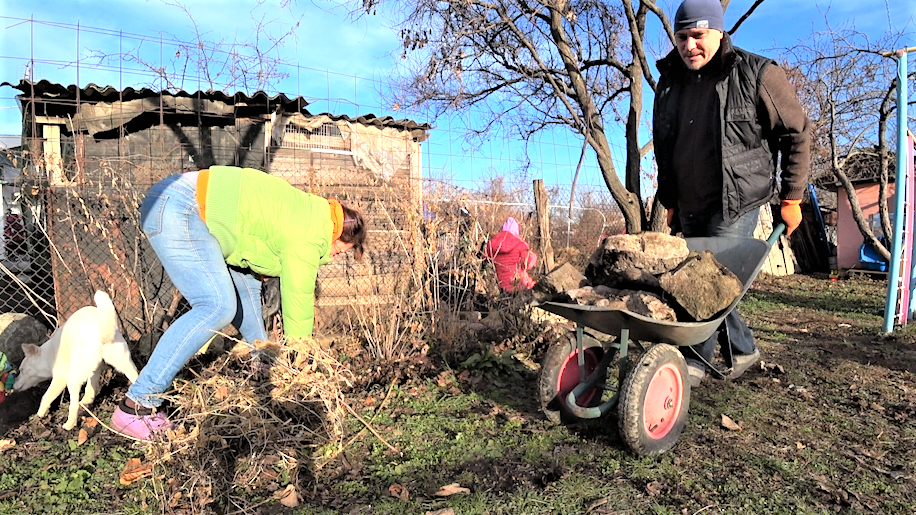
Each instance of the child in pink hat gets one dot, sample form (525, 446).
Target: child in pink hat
(511, 257)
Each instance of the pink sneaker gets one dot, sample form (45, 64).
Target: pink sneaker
(141, 427)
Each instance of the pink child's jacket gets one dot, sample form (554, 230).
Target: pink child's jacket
(512, 259)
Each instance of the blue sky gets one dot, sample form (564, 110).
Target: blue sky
(342, 63)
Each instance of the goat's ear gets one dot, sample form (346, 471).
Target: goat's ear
(30, 349)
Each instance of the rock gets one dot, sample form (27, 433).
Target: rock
(493, 321)
(640, 302)
(560, 279)
(702, 286)
(585, 295)
(16, 329)
(650, 305)
(650, 252)
(632, 279)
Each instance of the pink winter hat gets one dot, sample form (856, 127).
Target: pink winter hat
(511, 225)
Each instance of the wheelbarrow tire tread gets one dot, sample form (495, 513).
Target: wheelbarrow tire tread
(633, 393)
(551, 366)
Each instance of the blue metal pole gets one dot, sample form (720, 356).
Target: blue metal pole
(890, 307)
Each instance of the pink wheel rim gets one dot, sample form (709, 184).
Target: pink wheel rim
(663, 401)
(568, 378)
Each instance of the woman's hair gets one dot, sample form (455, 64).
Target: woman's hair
(354, 231)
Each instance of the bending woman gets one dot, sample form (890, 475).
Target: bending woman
(215, 231)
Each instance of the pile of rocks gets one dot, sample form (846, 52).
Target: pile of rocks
(652, 274)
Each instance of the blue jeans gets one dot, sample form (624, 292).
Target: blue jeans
(736, 333)
(192, 258)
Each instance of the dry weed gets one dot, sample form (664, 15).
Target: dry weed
(248, 428)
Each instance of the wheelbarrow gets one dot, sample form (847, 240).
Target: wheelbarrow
(652, 395)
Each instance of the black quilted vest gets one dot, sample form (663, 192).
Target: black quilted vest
(748, 162)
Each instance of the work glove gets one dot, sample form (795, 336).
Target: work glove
(791, 214)
(670, 218)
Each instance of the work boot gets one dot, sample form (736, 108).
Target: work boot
(696, 372)
(741, 363)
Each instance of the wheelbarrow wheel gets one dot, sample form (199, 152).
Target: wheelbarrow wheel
(560, 374)
(654, 400)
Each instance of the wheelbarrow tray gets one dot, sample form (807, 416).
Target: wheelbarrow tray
(743, 256)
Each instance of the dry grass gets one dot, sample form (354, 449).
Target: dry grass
(248, 427)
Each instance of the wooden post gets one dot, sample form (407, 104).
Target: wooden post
(51, 153)
(541, 204)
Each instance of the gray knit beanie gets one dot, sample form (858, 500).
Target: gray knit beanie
(699, 14)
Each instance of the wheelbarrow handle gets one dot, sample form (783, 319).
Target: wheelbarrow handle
(777, 232)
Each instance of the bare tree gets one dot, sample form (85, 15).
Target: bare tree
(850, 89)
(245, 61)
(537, 65)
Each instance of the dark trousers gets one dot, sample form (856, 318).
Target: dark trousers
(736, 333)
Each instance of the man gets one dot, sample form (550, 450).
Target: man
(730, 135)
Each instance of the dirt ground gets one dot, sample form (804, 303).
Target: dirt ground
(832, 396)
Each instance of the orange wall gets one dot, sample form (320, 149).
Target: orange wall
(848, 236)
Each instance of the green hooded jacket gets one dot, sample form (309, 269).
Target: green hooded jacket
(265, 224)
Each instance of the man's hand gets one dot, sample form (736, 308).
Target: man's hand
(791, 214)
(670, 218)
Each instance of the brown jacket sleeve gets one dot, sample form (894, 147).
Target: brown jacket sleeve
(786, 124)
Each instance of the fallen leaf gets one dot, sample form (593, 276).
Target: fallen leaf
(134, 470)
(451, 489)
(399, 491)
(288, 496)
(728, 423)
(799, 445)
(82, 437)
(202, 495)
(7, 444)
(599, 502)
(875, 455)
(443, 511)
(654, 488)
(222, 393)
(90, 422)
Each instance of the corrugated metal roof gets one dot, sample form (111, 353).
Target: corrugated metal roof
(93, 93)
(384, 121)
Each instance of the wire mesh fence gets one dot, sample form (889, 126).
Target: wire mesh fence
(70, 232)
(71, 204)
(86, 156)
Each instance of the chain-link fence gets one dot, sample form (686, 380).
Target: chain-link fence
(26, 281)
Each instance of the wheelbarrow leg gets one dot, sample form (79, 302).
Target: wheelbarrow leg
(621, 346)
(624, 360)
(581, 354)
